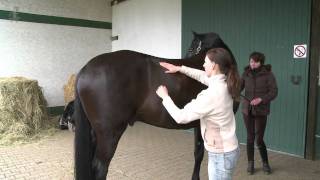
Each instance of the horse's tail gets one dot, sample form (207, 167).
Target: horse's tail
(84, 143)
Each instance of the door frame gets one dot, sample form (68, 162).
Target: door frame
(313, 80)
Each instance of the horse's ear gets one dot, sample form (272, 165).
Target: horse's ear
(194, 34)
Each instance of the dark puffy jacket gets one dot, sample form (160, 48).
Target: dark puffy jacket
(259, 83)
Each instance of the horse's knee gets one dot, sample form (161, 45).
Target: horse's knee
(199, 150)
(100, 169)
(107, 145)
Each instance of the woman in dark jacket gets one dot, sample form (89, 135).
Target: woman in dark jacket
(260, 89)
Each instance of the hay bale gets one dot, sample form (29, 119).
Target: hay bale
(69, 89)
(23, 110)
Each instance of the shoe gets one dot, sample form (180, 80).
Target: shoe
(250, 169)
(266, 168)
(264, 156)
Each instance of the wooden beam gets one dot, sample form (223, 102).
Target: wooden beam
(313, 80)
(38, 18)
(115, 2)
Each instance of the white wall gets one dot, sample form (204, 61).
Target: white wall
(50, 53)
(148, 26)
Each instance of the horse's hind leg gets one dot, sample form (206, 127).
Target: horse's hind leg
(107, 141)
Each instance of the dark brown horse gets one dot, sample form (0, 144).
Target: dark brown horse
(116, 89)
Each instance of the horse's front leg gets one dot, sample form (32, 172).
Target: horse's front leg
(198, 153)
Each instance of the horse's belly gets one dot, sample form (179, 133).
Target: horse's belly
(161, 118)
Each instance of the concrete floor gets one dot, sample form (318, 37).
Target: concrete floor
(144, 153)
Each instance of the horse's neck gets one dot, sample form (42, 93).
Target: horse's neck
(194, 61)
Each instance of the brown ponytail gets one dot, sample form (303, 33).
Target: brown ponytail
(233, 82)
(228, 66)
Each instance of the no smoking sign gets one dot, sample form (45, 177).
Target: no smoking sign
(300, 51)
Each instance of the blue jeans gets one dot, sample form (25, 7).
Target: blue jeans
(222, 165)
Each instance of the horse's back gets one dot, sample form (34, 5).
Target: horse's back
(115, 60)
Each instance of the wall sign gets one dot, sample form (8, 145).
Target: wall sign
(300, 51)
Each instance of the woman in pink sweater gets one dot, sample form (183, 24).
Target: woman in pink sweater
(214, 107)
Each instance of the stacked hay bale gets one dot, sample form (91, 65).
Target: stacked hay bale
(69, 89)
(23, 112)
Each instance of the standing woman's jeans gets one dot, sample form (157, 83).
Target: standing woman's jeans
(222, 165)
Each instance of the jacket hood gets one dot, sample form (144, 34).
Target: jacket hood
(264, 68)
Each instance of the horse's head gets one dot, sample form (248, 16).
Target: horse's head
(204, 42)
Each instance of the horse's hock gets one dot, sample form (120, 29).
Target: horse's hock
(22, 109)
(69, 89)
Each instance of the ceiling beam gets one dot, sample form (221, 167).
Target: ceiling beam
(115, 2)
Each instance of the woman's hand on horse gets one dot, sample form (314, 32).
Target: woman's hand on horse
(162, 91)
(170, 67)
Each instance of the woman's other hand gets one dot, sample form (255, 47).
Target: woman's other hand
(162, 91)
(170, 67)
